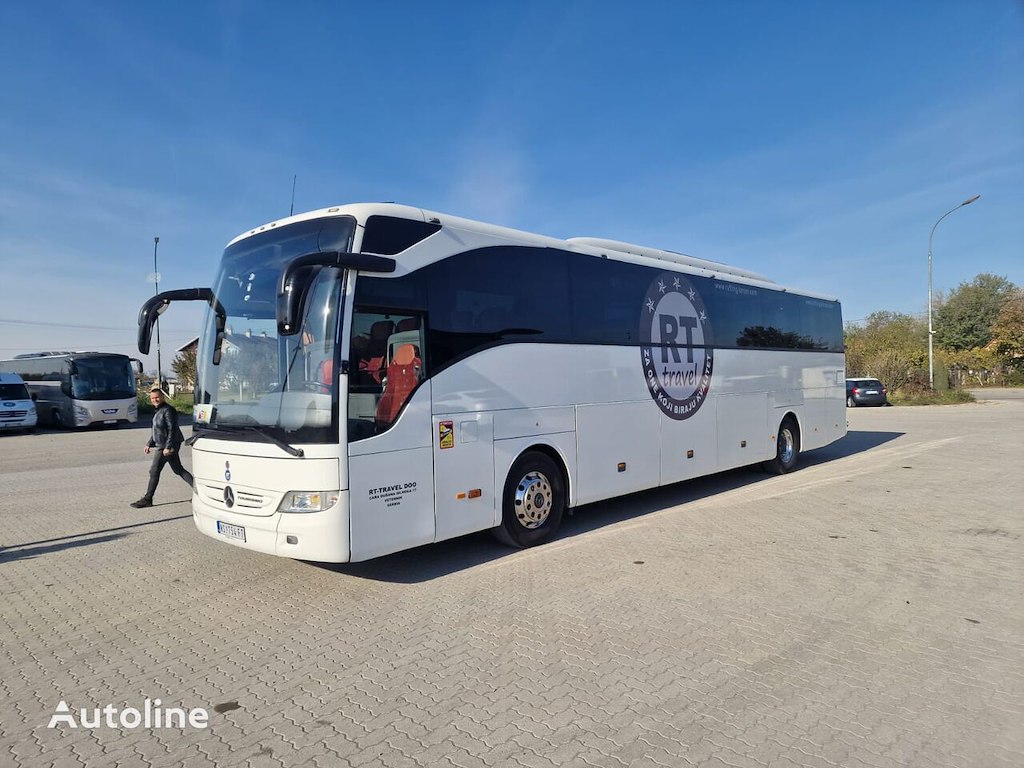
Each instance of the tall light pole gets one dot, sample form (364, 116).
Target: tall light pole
(156, 290)
(931, 332)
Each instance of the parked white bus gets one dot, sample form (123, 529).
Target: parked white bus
(375, 377)
(79, 389)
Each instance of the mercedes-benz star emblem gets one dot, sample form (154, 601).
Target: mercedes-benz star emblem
(229, 497)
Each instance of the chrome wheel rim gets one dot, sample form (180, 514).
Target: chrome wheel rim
(533, 500)
(787, 446)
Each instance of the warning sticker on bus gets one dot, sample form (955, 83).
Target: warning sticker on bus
(446, 434)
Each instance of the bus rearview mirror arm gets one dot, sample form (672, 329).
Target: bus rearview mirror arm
(157, 305)
(291, 289)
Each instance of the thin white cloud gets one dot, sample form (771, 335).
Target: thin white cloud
(490, 182)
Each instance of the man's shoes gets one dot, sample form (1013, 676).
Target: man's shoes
(143, 502)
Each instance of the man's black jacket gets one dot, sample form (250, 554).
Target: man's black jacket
(166, 433)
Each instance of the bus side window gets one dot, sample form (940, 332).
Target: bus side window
(386, 365)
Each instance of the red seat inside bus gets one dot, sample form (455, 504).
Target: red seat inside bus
(403, 374)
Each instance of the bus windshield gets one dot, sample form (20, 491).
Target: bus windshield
(285, 387)
(102, 378)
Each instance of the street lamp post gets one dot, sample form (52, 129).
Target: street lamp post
(156, 290)
(931, 332)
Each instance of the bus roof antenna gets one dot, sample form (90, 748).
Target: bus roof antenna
(291, 211)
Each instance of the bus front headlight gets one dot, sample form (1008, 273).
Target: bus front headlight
(308, 501)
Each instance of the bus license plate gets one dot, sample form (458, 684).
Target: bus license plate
(231, 531)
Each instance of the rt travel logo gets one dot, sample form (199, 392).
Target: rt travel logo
(676, 352)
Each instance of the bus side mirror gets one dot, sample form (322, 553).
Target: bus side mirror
(291, 299)
(157, 305)
(73, 368)
(220, 318)
(297, 275)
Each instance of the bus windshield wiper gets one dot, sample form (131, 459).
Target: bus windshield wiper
(290, 449)
(248, 430)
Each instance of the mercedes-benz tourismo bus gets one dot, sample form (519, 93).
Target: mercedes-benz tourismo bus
(375, 377)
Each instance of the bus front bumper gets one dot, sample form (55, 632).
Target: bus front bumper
(87, 413)
(317, 536)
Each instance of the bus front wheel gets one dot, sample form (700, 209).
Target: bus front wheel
(787, 448)
(533, 501)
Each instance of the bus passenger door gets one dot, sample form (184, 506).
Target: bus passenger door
(464, 498)
(390, 490)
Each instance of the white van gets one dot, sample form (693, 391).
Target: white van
(17, 410)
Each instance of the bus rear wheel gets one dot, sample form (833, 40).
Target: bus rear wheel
(787, 448)
(533, 501)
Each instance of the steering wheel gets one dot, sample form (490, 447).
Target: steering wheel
(317, 386)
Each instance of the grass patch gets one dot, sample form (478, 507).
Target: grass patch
(927, 397)
(181, 403)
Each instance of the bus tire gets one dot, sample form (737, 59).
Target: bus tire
(533, 501)
(787, 448)
(58, 420)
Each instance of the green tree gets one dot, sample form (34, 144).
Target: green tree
(1008, 331)
(184, 366)
(974, 366)
(889, 345)
(964, 319)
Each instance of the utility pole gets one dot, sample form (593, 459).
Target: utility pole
(156, 283)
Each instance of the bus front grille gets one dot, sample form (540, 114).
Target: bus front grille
(246, 501)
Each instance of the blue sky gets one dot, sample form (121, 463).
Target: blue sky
(815, 142)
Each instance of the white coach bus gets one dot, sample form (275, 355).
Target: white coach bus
(375, 377)
(79, 389)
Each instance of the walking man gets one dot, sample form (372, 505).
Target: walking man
(167, 440)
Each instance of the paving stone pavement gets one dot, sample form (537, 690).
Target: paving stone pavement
(865, 611)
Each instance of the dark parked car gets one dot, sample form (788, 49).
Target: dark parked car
(865, 392)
